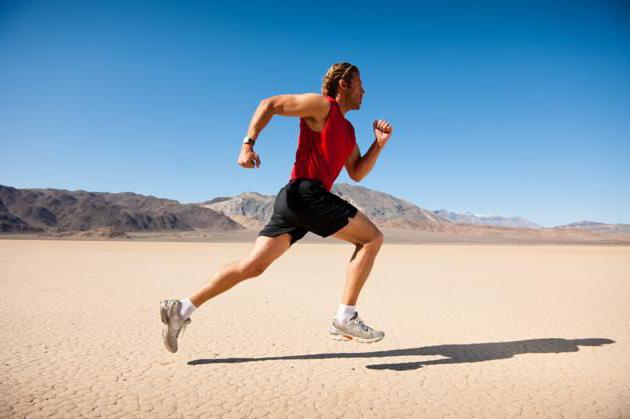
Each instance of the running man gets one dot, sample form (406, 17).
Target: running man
(326, 143)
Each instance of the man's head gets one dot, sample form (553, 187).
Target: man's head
(343, 83)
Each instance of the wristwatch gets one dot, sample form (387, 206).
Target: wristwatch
(248, 140)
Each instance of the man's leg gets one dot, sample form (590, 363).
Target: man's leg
(265, 251)
(368, 240)
(175, 313)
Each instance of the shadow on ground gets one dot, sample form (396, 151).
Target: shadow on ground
(453, 354)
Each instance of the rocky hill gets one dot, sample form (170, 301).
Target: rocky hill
(389, 211)
(26, 210)
(250, 209)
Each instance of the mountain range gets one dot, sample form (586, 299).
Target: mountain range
(102, 214)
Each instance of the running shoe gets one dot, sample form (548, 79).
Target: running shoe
(173, 323)
(354, 329)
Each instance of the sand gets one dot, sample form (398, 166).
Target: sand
(472, 331)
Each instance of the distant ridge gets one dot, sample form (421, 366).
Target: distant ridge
(598, 227)
(496, 220)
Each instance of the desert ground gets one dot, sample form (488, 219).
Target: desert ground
(471, 331)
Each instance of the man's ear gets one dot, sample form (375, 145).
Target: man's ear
(344, 84)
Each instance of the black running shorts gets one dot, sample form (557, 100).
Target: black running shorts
(304, 205)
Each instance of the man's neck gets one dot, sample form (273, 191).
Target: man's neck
(343, 105)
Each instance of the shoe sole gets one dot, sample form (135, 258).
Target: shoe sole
(339, 336)
(166, 328)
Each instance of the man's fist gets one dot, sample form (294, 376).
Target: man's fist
(382, 130)
(248, 158)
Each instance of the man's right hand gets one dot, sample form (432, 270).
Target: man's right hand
(248, 158)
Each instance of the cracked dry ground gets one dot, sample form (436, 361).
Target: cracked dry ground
(472, 331)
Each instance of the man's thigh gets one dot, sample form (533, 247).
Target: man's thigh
(268, 249)
(359, 230)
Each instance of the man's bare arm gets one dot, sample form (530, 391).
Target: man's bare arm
(307, 105)
(358, 167)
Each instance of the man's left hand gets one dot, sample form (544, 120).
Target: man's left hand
(382, 130)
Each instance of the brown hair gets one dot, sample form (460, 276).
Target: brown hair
(337, 72)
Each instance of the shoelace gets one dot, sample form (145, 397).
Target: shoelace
(356, 319)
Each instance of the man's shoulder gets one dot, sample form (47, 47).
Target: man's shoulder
(316, 97)
(320, 101)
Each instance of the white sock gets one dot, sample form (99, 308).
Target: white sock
(187, 308)
(344, 312)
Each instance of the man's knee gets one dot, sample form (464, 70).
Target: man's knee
(377, 239)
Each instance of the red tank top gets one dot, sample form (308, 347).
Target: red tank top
(321, 155)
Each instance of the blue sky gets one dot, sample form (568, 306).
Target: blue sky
(513, 108)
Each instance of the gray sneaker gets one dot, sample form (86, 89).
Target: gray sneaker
(354, 329)
(173, 323)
